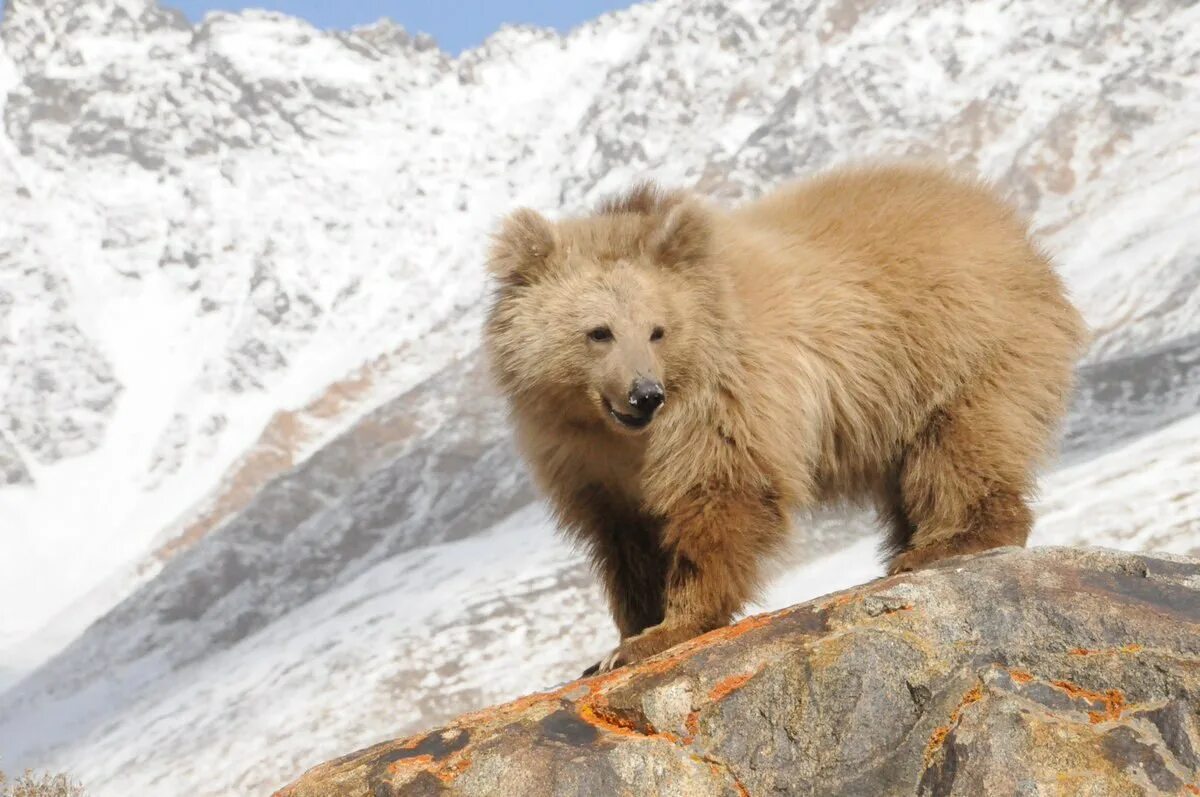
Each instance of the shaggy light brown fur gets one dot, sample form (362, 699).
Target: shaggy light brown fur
(886, 333)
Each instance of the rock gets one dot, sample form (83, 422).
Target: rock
(1013, 672)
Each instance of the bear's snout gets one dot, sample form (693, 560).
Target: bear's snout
(646, 395)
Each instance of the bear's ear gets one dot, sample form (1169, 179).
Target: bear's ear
(683, 237)
(522, 247)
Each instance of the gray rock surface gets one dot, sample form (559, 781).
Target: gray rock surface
(1052, 670)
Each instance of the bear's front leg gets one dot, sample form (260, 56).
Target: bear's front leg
(626, 549)
(715, 542)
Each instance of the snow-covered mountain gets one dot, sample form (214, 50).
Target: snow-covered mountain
(258, 505)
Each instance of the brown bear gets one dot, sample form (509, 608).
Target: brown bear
(681, 378)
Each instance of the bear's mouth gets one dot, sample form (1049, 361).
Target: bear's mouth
(634, 422)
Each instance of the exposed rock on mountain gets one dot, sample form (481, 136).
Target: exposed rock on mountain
(12, 469)
(1076, 671)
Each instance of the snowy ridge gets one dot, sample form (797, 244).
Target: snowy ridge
(240, 290)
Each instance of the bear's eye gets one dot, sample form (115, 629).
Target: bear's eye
(657, 334)
(600, 334)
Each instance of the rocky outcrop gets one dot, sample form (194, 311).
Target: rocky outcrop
(1016, 672)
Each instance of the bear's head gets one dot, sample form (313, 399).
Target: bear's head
(595, 318)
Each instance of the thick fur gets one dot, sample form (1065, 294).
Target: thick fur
(886, 333)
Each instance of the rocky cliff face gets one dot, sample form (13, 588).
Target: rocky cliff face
(1016, 672)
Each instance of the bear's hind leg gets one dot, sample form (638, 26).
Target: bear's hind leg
(965, 479)
(889, 505)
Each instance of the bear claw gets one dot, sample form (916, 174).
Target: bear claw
(612, 661)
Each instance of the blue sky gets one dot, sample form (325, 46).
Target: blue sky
(456, 24)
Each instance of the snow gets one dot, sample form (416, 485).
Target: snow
(1142, 496)
(855, 564)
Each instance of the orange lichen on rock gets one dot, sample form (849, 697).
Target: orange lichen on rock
(719, 692)
(724, 687)
(662, 663)
(938, 737)
(1112, 701)
(975, 695)
(721, 770)
(842, 600)
(728, 632)
(600, 715)
(445, 771)
(423, 761)
(1020, 676)
(1132, 647)
(936, 740)
(453, 768)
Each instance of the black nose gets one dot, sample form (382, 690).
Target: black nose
(646, 396)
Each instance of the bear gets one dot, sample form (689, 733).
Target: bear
(683, 379)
